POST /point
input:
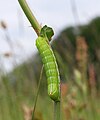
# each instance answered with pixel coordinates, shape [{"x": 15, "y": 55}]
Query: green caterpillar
[{"x": 51, "y": 68}]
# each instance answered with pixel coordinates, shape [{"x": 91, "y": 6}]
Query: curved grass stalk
[
  {"x": 37, "y": 29},
  {"x": 57, "y": 111},
  {"x": 30, "y": 16},
  {"x": 37, "y": 93}
]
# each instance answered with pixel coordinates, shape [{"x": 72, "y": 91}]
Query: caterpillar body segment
[
  {"x": 51, "y": 73},
  {"x": 51, "y": 68}
]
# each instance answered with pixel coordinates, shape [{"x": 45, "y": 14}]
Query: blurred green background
[
  {"x": 77, "y": 49},
  {"x": 78, "y": 58}
]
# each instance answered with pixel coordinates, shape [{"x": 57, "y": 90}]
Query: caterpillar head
[{"x": 47, "y": 32}]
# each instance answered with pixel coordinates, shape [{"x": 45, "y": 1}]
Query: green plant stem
[
  {"x": 30, "y": 16},
  {"x": 37, "y": 93},
  {"x": 57, "y": 111}
]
